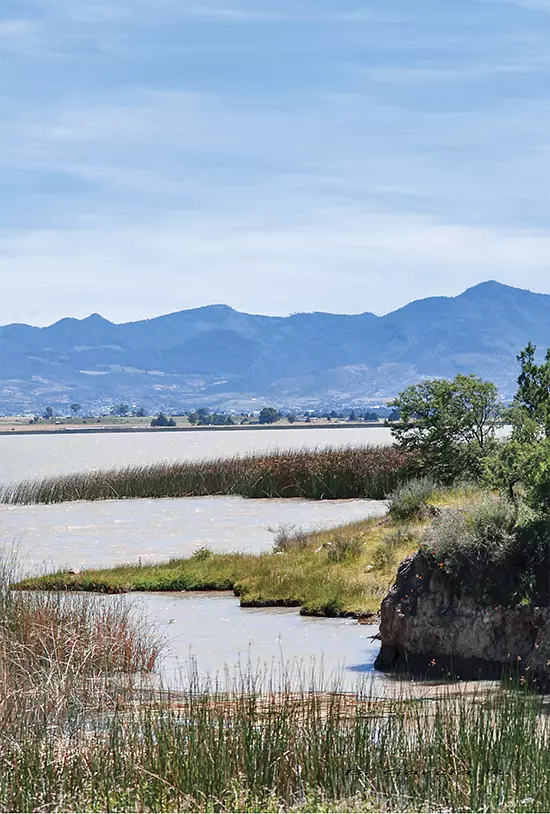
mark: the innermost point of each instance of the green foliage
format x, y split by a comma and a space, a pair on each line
269, 415
75, 408
48, 413
344, 549
488, 555
449, 425
410, 500
520, 466
122, 409
202, 553
163, 421
533, 395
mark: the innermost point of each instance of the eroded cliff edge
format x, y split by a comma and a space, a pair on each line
431, 626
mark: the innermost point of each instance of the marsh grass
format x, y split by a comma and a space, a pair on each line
325, 573
323, 474
269, 748
63, 658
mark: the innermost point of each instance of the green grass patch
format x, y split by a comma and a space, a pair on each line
326, 573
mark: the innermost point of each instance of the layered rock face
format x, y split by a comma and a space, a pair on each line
431, 628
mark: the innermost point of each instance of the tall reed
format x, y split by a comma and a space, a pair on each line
339, 473
275, 748
63, 655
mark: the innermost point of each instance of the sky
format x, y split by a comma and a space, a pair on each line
282, 156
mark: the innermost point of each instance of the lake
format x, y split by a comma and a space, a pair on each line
36, 456
111, 532
209, 631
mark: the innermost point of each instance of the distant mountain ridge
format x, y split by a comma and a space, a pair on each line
220, 357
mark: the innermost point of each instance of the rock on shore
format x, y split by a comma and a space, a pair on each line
431, 628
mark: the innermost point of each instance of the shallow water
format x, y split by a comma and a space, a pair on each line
209, 631
209, 636
111, 532
36, 456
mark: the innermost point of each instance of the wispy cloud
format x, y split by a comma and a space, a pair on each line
326, 260
221, 142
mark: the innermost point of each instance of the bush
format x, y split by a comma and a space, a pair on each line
385, 553
162, 421
485, 554
344, 549
410, 501
202, 553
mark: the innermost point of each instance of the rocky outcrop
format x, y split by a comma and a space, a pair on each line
430, 627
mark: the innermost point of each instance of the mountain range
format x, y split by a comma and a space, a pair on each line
222, 358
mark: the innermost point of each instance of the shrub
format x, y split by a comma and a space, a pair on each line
288, 537
385, 554
486, 555
344, 549
202, 553
410, 501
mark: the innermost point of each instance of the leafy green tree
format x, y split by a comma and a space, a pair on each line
269, 415
140, 412
121, 409
75, 408
521, 464
448, 425
291, 418
532, 400
48, 413
163, 421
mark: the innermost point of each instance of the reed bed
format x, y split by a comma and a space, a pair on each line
63, 660
252, 750
327, 474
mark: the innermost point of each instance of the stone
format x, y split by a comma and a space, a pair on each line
430, 628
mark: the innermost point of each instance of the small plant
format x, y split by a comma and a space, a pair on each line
344, 549
385, 553
288, 537
202, 553
410, 501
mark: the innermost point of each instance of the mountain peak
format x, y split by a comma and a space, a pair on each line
97, 319
493, 288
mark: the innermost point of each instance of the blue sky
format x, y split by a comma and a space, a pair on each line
292, 155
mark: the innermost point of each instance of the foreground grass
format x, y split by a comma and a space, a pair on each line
254, 750
325, 474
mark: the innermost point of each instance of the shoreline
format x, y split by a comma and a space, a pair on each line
80, 430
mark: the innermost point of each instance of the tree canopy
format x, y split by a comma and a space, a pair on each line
269, 415
449, 425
